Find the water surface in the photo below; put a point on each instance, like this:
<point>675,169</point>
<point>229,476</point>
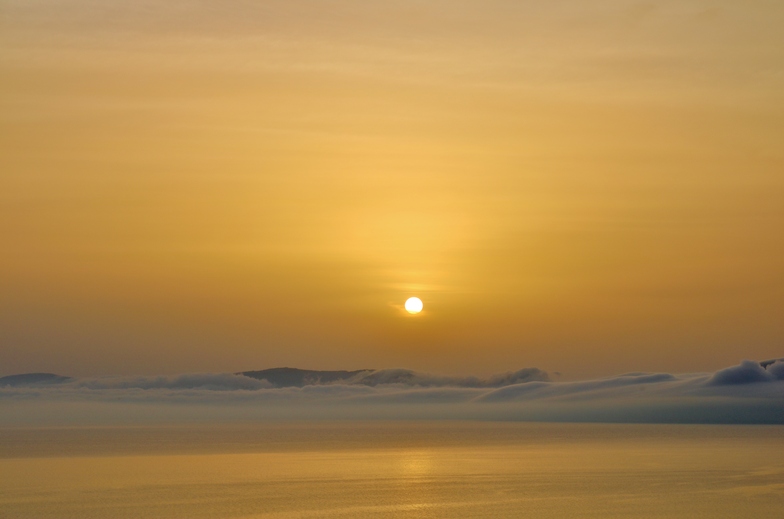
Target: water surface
<point>395,469</point>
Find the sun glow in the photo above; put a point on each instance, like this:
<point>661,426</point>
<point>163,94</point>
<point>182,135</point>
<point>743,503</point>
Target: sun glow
<point>414,305</point>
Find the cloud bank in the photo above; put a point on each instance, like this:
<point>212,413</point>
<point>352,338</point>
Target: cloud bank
<point>751,392</point>
<point>748,372</point>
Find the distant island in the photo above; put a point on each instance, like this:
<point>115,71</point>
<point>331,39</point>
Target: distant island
<point>32,379</point>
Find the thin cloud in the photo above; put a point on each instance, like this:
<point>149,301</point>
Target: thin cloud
<point>206,381</point>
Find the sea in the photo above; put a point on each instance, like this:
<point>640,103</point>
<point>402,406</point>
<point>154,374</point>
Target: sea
<point>392,470</point>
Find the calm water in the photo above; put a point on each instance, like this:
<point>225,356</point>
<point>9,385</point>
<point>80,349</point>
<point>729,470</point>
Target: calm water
<point>385,470</point>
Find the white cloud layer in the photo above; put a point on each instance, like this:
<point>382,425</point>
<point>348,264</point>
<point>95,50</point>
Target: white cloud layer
<point>747,393</point>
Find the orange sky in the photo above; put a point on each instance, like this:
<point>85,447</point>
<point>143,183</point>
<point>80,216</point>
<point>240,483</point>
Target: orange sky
<point>586,187</point>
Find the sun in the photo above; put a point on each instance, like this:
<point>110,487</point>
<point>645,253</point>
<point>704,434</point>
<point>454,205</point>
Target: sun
<point>414,305</point>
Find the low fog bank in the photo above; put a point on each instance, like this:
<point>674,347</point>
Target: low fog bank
<point>751,393</point>
<point>292,377</point>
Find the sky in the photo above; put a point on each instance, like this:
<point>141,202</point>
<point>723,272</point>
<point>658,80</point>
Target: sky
<point>589,187</point>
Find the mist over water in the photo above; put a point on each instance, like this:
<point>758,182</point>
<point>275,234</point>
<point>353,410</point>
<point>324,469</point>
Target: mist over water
<point>748,393</point>
<point>400,469</point>
<point>290,443</point>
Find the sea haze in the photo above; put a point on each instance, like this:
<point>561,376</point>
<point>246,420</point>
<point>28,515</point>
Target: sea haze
<point>288,443</point>
<point>748,393</point>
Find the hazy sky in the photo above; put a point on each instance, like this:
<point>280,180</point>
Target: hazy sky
<point>589,187</point>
